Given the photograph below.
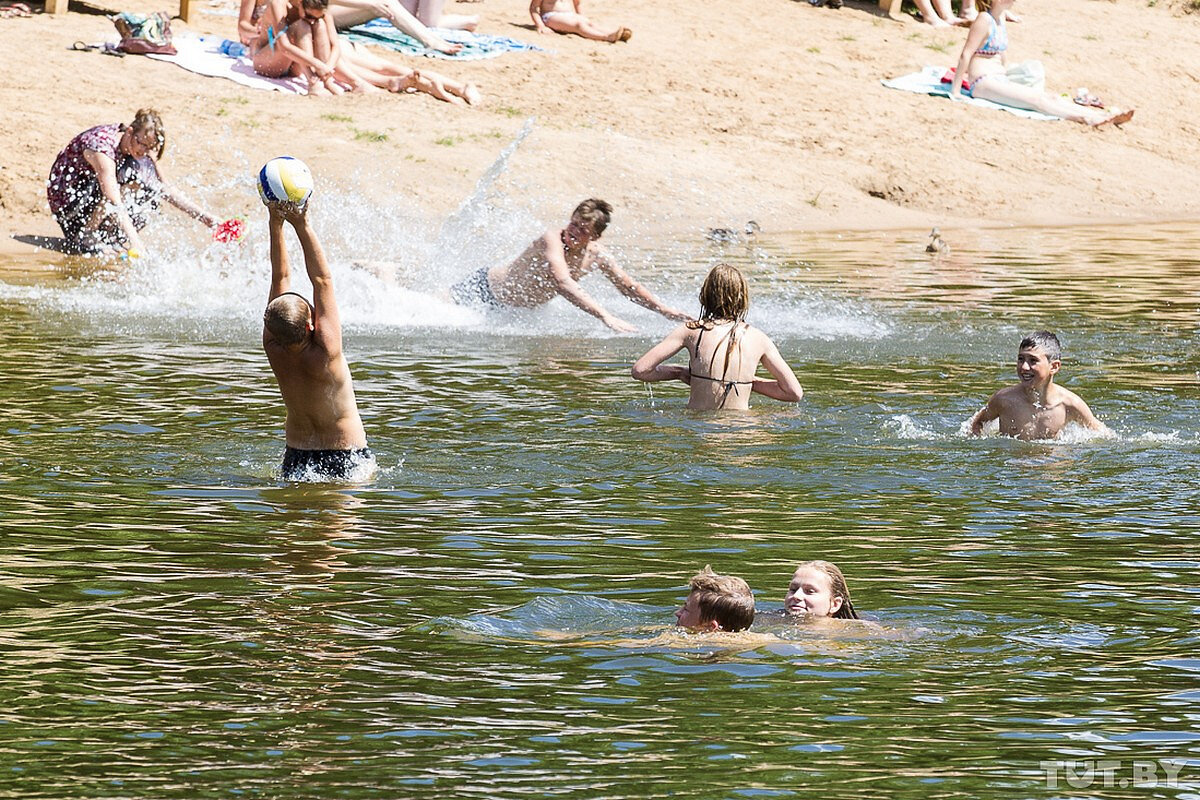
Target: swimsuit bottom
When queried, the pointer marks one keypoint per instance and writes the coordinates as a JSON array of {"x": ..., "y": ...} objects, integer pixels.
[
  {"x": 475, "y": 291},
  {"x": 310, "y": 465},
  {"x": 546, "y": 17}
]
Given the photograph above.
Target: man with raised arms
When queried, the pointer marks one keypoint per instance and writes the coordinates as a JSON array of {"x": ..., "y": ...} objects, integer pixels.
[
  {"x": 553, "y": 264},
  {"x": 303, "y": 342}
]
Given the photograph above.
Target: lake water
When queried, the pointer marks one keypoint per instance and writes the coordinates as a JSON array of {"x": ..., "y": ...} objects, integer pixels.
[{"x": 483, "y": 618}]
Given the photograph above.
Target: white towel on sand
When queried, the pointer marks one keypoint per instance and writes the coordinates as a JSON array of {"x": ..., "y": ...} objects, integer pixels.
[
  {"x": 202, "y": 55},
  {"x": 929, "y": 81}
]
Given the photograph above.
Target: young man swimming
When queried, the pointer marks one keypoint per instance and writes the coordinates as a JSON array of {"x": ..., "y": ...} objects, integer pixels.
[
  {"x": 553, "y": 264},
  {"x": 1037, "y": 407},
  {"x": 303, "y": 342},
  {"x": 716, "y": 603}
]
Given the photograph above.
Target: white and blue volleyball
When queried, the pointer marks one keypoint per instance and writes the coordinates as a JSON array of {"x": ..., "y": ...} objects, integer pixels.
[{"x": 285, "y": 180}]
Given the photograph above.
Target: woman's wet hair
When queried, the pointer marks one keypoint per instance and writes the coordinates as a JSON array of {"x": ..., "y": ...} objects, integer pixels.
[
  {"x": 147, "y": 120},
  {"x": 315, "y": 5},
  {"x": 723, "y": 598},
  {"x": 287, "y": 318},
  {"x": 724, "y": 294},
  {"x": 838, "y": 583},
  {"x": 595, "y": 212},
  {"x": 1047, "y": 341}
]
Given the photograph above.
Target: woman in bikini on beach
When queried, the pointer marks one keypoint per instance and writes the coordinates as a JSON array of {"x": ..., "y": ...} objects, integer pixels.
[
  {"x": 984, "y": 60},
  {"x": 298, "y": 37},
  {"x": 724, "y": 351}
]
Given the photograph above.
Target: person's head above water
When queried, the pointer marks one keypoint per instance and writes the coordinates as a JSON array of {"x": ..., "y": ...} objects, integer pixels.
[
  {"x": 1039, "y": 358},
  {"x": 818, "y": 589},
  {"x": 588, "y": 221},
  {"x": 289, "y": 318},
  {"x": 724, "y": 294},
  {"x": 717, "y": 603}
]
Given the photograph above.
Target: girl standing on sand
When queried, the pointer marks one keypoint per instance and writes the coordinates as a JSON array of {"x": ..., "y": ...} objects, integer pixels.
[
  {"x": 987, "y": 39},
  {"x": 724, "y": 351}
]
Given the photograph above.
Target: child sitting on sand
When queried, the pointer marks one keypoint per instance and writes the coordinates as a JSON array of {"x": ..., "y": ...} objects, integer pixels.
[
  {"x": 818, "y": 589},
  {"x": 722, "y": 335},
  {"x": 556, "y": 15},
  {"x": 717, "y": 603},
  {"x": 1036, "y": 408}
]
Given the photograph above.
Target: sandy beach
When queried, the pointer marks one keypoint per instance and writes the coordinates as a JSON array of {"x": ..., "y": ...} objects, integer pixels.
[{"x": 705, "y": 117}]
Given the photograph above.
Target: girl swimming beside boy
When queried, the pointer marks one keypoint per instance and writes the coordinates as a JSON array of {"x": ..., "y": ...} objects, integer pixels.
[
  {"x": 818, "y": 590},
  {"x": 723, "y": 351},
  {"x": 984, "y": 61}
]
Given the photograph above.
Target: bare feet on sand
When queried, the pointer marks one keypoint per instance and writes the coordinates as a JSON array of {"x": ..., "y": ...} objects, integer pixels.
[
  {"x": 1116, "y": 118},
  {"x": 471, "y": 94}
]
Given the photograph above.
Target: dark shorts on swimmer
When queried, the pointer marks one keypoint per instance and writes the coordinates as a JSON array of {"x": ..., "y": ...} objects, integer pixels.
[
  {"x": 329, "y": 465},
  {"x": 475, "y": 291}
]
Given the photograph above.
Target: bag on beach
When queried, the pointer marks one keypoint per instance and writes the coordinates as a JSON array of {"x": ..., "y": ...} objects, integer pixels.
[
  {"x": 144, "y": 33},
  {"x": 1028, "y": 73}
]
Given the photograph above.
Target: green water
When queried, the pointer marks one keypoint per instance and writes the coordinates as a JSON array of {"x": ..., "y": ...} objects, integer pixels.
[{"x": 175, "y": 622}]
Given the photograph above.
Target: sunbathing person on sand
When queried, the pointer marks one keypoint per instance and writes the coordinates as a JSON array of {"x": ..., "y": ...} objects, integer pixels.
[
  {"x": 553, "y": 265},
  {"x": 558, "y": 16},
  {"x": 414, "y": 17},
  {"x": 987, "y": 39},
  {"x": 348, "y": 13},
  {"x": 296, "y": 38},
  {"x": 361, "y": 68}
]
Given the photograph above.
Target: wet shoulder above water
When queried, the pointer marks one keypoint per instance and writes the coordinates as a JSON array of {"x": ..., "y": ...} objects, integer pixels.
[{"x": 491, "y": 614}]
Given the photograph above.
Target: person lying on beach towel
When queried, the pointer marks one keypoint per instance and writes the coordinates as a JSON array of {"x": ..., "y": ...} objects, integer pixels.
[
  {"x": 358, "y": 66},
  {"x": 987, "y": 39},
  {"x": 566, "y": 16},
  {"x": 414, "y": 17}
]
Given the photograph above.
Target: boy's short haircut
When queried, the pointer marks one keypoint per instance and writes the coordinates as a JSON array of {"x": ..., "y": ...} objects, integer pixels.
[
  {"x": 595, "y": 213},
  {"x": 1047, "y": 341},
  {"x": 723, "y": 598},
  {"x": 287, "y": 318}
]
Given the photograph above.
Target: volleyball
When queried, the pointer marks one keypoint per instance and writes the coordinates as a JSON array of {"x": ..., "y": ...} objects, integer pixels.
[{"x": 285, "y": 179}]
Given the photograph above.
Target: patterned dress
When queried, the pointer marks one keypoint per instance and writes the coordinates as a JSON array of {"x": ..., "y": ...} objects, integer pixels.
[{"x": 73, "y": 190}]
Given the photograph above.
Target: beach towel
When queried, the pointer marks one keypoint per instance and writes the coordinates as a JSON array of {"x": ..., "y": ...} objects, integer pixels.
[
  {"x": 929, "y": 81},
  {"x": 202, "y": 55},
  {"x": 476, "y": 46}
]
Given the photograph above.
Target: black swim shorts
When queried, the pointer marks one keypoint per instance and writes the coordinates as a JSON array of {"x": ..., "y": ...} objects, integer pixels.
[
  {"x": 474, "y": 291},
  {"x": 316, "y": 465}
]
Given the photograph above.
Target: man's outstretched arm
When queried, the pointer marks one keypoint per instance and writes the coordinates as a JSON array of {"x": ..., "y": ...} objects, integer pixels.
[
  {"x": 629, "y": 287},
  {"x": 281, "y": 276},
  {"x": 327, "y": 324}
]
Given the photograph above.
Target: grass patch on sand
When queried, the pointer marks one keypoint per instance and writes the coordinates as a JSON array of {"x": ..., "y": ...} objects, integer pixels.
[
  {"x": 369, "y": 136},
  {"x": 337, "y": 117}
]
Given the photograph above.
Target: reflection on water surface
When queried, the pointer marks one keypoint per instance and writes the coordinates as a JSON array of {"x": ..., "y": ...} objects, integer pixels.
[{"x": 178, "y": 623}]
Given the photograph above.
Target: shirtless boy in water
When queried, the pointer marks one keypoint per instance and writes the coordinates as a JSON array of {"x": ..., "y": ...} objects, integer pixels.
[
  {"x": 553, "y": 264},
  {"x": 303, "y": 342},
  {"x": 1036, "y": 408}
]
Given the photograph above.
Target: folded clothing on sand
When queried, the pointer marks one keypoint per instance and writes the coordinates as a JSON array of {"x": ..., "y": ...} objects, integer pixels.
[
  {"x": 929, "y": 81},
  {"x": 476, "y": 46}
]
